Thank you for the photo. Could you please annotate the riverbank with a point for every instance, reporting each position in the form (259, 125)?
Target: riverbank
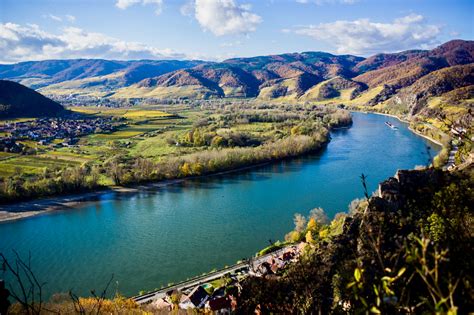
(414, 187)
(196, 165)
(27, 209)
(22, 210)
(403, 120)
(417, 196)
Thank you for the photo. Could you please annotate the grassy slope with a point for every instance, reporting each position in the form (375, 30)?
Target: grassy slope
(189, 91)
(94, 86)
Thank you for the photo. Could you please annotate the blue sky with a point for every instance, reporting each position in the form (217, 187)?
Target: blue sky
(219, 29)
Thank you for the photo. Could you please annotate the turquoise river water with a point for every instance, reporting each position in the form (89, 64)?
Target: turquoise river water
(151, 238)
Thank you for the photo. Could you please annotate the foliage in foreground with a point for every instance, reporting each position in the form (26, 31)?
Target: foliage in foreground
(63, 304)
(26, 290)
(404, 253)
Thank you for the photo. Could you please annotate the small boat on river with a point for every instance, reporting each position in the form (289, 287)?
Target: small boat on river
(391, 125)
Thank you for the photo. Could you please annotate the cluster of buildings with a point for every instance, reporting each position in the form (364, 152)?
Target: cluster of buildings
(45, 130)
(273, 265)
(221, 299)
(87, 100)
(202, 296)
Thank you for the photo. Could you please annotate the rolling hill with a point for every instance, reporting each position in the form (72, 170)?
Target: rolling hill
(266, 77)
(435, 84)
(87, 76)
(17, 100)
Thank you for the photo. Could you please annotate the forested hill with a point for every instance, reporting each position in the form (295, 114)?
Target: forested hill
(17, 100)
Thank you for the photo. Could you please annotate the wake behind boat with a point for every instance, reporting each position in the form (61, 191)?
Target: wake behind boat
(391, 125)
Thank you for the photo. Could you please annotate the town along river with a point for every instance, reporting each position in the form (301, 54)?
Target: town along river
(152, 238)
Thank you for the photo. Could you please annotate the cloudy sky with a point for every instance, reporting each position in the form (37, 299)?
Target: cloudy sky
(219, 29)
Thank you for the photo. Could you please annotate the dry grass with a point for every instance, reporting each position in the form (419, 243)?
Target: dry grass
(131, 113)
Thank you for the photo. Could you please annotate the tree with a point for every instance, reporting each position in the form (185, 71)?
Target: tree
(319, 216)
(185, 169)
(116, 170)
(293, 237)
(217, 141)
(312, 224)
(143, 168)
(300, 223)
(198, 138)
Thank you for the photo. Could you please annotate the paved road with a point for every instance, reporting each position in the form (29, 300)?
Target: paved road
(451, 159)
(149, 297)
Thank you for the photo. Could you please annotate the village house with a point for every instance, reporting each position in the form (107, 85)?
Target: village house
(196, 299)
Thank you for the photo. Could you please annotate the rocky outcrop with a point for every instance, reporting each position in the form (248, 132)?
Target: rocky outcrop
(393, 193)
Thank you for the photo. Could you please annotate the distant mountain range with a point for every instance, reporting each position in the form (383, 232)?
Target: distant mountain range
(409, 77)
(88, 75)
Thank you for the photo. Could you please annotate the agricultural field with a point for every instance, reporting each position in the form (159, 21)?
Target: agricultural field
(122, 112)
(143, 135)
(31, 165)
(6, 155)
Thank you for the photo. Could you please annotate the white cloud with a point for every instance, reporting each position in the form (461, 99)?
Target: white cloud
(53, 17)
(30, 42)
(70, 18)
(67, 17)
(222, 17)
(123, 4)
(366, 37)
(187, 9)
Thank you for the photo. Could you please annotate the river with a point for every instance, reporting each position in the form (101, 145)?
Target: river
(152, 238)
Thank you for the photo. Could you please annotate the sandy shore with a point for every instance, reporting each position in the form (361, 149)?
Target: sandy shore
(425, 136)
(22, 210)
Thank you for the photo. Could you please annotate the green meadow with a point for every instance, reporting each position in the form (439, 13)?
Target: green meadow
(31, 164)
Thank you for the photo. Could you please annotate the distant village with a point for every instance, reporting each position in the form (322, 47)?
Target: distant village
(85, 100)
(45, 131)
(88, 101)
